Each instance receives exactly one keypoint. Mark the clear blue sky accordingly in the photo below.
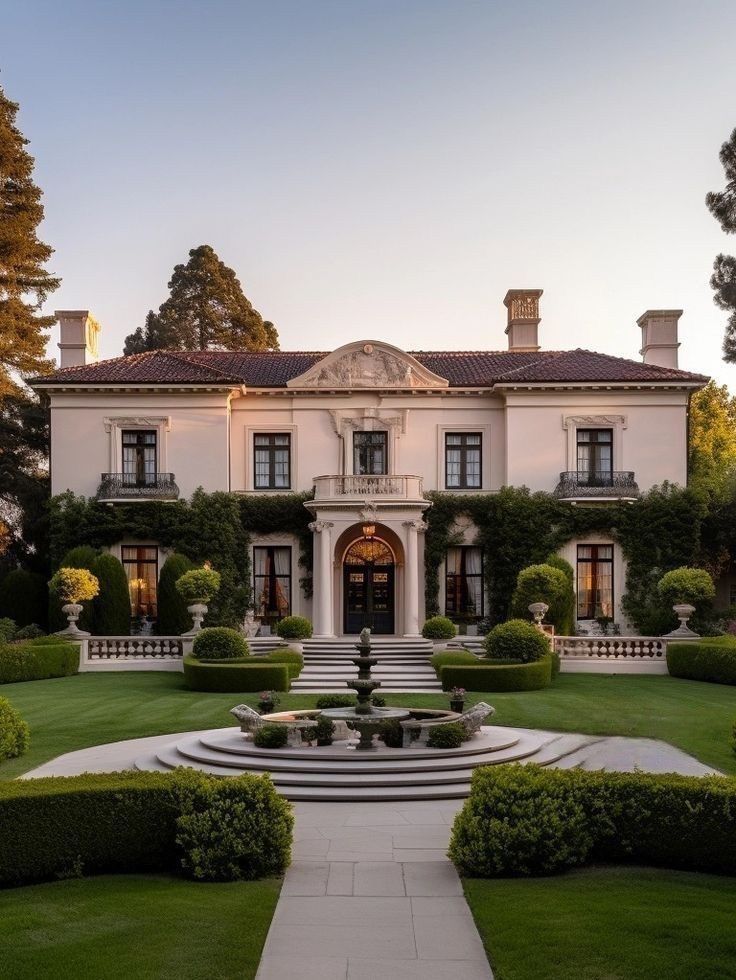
(385, 169)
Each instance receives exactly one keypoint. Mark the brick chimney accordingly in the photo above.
(78, 336)
(523, 318)
(659, 341)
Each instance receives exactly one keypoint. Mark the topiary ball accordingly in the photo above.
(516, 640)
(294, 628)
(438, 628)
(219, 643)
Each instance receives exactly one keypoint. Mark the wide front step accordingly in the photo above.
(342, 773)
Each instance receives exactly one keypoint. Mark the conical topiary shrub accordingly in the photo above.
(173, 618)
(111, 608)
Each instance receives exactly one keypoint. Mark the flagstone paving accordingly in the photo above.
(370, 894)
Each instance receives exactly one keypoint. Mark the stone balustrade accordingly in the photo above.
(366, 486)
(117, 647)
(611, 647)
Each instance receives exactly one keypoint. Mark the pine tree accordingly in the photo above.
(24, 283)
(206, 310)
(722, 205)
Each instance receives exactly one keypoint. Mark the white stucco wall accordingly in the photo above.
(195, 447)
(652, 440)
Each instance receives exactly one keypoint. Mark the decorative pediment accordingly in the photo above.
(368, 364)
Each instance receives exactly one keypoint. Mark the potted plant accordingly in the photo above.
(457, 699)
(267, 702)
(198, 587)
(74, 586)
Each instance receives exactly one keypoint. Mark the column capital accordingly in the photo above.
(419, 526)
(318, 526)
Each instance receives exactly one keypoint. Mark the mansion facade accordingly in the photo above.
(368, 430)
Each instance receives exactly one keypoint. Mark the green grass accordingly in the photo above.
(144, 927)
(68, 713)
(608, 924)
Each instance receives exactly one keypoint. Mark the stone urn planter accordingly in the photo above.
(197, 610)
(457, 699)
(72, 611)
(683, 611)
(538, 611)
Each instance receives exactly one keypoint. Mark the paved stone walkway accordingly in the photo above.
(371, 894)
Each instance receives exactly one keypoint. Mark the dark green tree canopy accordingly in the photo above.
(206, 310)
(722, 205)
(24, 283)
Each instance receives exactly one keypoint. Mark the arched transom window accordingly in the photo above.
(369, 551)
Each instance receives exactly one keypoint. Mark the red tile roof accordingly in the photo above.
(272, 369)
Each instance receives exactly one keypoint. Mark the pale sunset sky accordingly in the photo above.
(385, 170)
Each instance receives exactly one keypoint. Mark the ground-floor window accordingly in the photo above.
(272, 582)
(141, 566)
(464, 582)
(595, 581)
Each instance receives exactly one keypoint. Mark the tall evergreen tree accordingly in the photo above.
(722, 205)
(206, 310)
(24, 282)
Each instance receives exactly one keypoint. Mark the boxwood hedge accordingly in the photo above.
(526, 820)
(292, 658)
(125, 822)
(241, 676)
(36, 660)
(498, 677)
(712, 659)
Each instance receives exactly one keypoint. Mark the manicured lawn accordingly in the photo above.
(608, 924)
(69, 713)
(135, 926)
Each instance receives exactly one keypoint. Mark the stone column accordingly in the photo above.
(411, 577)
(322, 579)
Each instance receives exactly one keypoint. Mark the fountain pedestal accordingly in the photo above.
(364, 718)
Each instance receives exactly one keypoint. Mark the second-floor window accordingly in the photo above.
(462, 460)
(595, 457)
(370, 453)
(272, 452)
(139, 457)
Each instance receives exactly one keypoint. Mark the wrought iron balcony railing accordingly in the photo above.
(128, 486)
(617, 484)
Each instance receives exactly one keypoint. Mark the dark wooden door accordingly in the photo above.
(369, 598)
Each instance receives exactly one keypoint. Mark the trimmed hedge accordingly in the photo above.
(271, 737)
(294, 628)
(173, 618)
(517, 639)
(452, 658)
(439, 628)
(449, 736)
(111, 607)
(498, 677)
(220, 643)
(14, 732)
(37, 660)
(711, 660)
(124, 823)
(527, 820)
(241, 676)
(292, 658)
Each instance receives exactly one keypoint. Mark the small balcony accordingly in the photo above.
(597, 485)
(353, 487)
(118, 487)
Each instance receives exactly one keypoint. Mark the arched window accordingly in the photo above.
(369, 551)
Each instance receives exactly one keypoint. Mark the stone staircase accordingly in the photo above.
(403, 665)
(339, 773)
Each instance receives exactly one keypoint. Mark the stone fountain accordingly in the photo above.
(365, 718)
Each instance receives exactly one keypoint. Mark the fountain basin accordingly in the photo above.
(366, 723)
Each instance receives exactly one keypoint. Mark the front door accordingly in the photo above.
(369, 598)
(368, 587)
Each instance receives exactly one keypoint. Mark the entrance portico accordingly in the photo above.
(368, 557)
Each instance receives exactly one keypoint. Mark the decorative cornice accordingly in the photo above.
(575, 420)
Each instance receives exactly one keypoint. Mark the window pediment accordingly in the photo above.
(368, 364)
